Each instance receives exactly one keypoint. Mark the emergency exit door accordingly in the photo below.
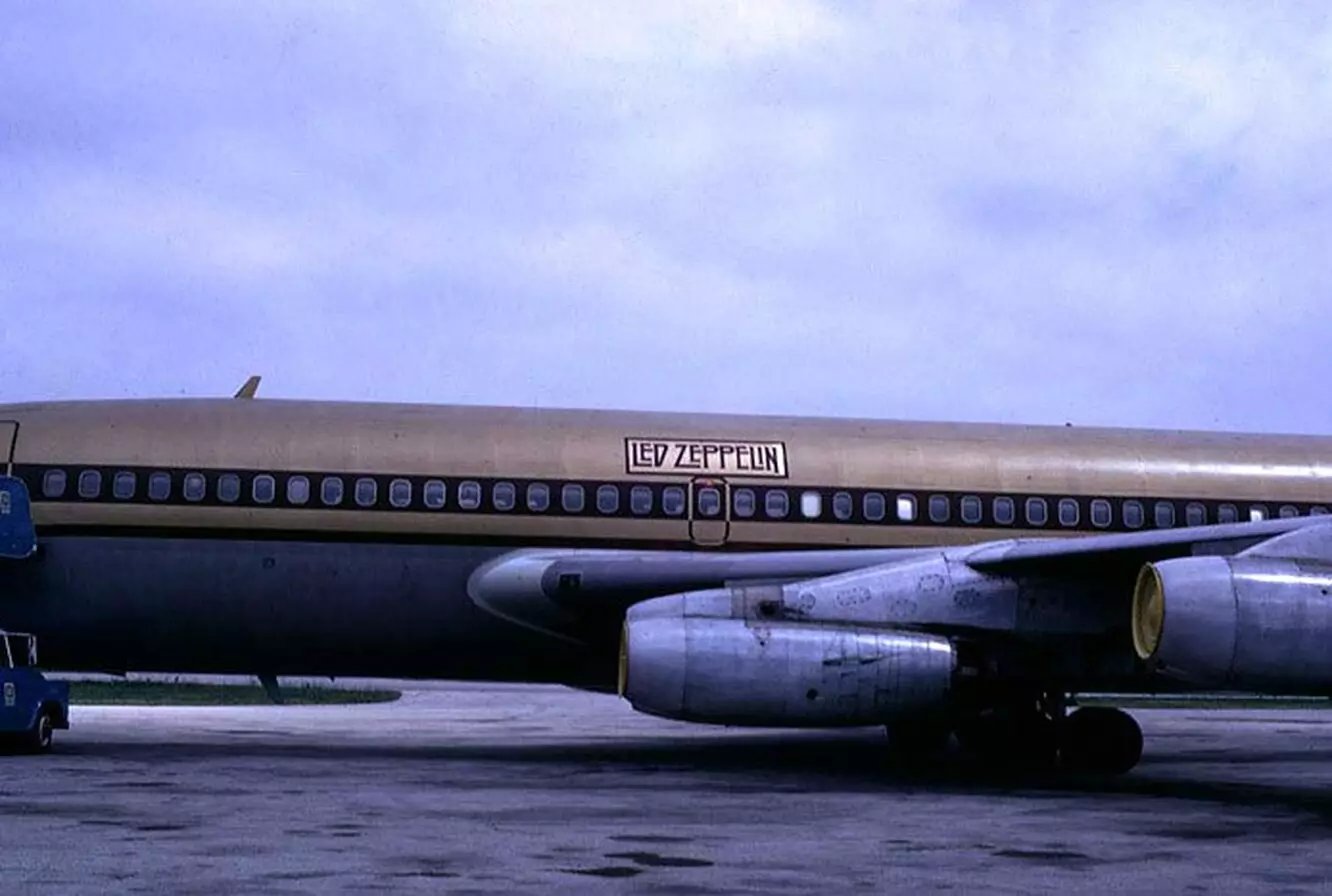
(709, 512)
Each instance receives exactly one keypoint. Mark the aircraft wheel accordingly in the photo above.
(42, 733)
(1101, 740)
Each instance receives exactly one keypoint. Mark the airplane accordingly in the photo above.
(945, 581)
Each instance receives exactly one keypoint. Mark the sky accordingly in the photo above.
(1104, 213)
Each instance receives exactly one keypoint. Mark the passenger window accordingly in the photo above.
(90, 484)
(538, 497)
(875, 506)
(400, 493)
(263, 489)
(811, 505)
(1164, 514)
(745, 502)
(367, 492)
(159, 486)
(608, 499)
(434, 494)
(1195, 514)
(298, 490)
(776, 504)
(122, 487)
(673, 500)
(843, 506)
(1257, 513)
(1100, 513)
(939, 509)
(1227, 513)
(1288, 511)
(1004, 511)
(906, 508)
(1069, 512)
(53, 484)
(195, 486)
(971, 509)
(504, 496)
(1134, 515)
(228, 488)
(469, 494)
(709, 501)
(1037, 512)
(572, 498)
(330, 490)
(640, 500)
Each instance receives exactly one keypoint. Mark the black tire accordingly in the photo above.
(1101, 740)
(42, 733)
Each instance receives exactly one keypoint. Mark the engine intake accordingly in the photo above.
(744, 672)
(1256, 623)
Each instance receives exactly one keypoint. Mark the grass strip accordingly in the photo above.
(160, 693)
(1210, 701)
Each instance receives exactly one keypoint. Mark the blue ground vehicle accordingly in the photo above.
(31, 707)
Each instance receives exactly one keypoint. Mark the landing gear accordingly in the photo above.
(1038, 734)
(1100, 740)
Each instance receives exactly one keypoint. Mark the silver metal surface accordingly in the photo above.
(737, 672)
(1252, 622)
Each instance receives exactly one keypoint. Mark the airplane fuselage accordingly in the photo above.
(286, 537)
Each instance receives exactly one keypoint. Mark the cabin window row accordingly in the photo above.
(1101, 513)
(775, 503)
(364, 491)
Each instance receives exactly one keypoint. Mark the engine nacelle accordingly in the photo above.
(1254, 623)
(744, 672)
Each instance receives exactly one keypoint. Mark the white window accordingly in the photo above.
(811, 505)
(906, 508)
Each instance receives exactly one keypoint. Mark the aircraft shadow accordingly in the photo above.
(770, 762)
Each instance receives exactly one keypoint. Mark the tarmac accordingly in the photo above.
(497, 789)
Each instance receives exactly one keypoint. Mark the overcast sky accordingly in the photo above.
(1104, 213)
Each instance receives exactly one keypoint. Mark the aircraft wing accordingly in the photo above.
(1064, 555)
(563, 592)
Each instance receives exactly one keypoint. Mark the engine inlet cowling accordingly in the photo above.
(737, 672)
(1255, 623)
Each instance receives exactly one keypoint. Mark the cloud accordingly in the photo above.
(1111, 214)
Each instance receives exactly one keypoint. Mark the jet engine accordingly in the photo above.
(1244, 622)
(744, 672)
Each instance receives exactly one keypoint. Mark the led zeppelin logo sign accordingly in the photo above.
(696, 457)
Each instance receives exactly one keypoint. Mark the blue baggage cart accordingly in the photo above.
(31, 707)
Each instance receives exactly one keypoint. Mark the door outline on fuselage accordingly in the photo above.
(9, 443)
(709, 529)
